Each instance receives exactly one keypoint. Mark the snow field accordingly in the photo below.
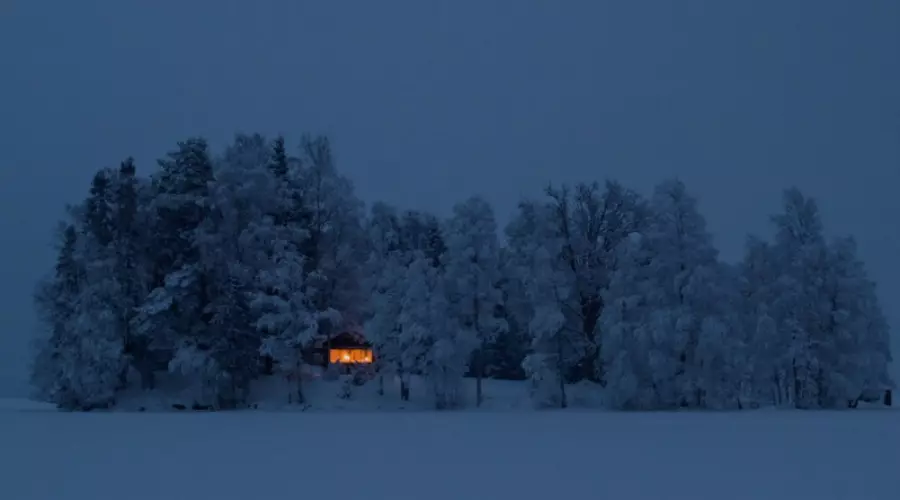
(760, 455)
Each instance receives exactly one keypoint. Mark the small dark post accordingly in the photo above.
(404, 388)
(888, 398)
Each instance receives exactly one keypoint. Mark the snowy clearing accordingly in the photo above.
(22, 404)
(767, 455)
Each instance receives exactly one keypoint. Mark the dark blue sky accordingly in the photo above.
(428, 102)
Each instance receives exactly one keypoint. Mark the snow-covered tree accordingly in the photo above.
(102, 246)
(423, 231)
(174, 317)
(672, 342)
(757, 277)
(79, 363)
(397, 317)
(384, 285)
(432, 343)
(231, 253)
(590, 223)
(798, 307)
(472, 279)
(55, 301)
(855, 357)
(820, 338)
(540, 291)
(333, 247)
(129, 247)
(286, 317)
(228, 266)
(506, 353)
(635, 362)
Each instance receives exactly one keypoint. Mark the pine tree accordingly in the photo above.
(279, 159)
(79, 364)
(175, 316)
(55, 299)
(285, 315)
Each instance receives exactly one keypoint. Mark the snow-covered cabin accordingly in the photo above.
(344, 348)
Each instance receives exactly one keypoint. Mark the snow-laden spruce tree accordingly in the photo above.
(110, 292)
(79, 357)
(129, 247)
(671, 342)
(423, 231)
(231, 254)
(286, 317)
(91, 314)
(173, 318)
(472, 278)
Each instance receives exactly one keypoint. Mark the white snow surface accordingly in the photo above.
(413, 454)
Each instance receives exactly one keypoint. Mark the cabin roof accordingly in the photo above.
(343, 340)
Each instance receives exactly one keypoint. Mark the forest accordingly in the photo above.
(216, 261)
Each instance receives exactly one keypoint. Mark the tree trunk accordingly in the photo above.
(563, 400)
(148, 377)
(796, 398)
(301, 398)
(123, 377)
(776, 394)
(479, 374)
(404, 390)
(381, 385)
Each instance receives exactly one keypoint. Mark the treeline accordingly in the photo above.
(215, 263)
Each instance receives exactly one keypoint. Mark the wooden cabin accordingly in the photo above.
(345, 348)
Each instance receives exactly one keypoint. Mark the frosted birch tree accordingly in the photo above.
(671, 340)
(540, 290)
(472, 278)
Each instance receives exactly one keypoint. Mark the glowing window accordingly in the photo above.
(350, 356)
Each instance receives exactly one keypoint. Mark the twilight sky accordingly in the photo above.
(430, 101)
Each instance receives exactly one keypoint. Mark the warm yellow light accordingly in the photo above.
(350, 356)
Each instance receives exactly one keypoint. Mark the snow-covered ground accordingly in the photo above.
(521, 455)
(273, 393)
